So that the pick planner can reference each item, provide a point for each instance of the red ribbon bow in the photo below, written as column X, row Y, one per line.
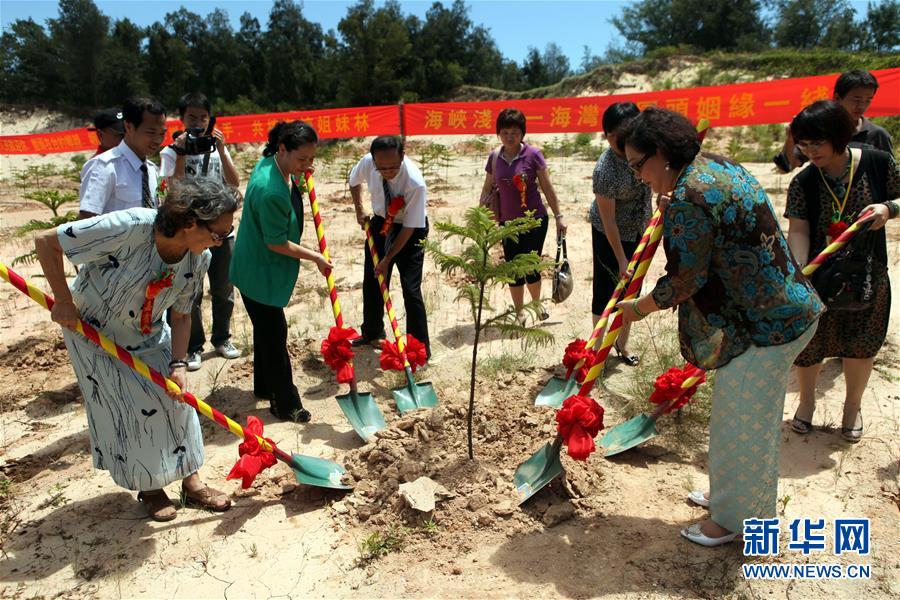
column 253, row 459
column 668, row 386
column 578, row 422
column 393, row 208
column 338, row 352
column 521, row 183
column 392, row 360
column 154, row 288
column 576, row 351
column 837, row 228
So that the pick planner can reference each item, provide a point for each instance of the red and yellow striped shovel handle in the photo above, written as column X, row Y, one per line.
column 386, row 295
column 610, row 338
column 836, row 245
column 137, row 364
column 652, row 227
column 323, row 248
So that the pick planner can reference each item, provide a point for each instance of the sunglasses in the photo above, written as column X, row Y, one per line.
column 636, row 167
column 218, row 237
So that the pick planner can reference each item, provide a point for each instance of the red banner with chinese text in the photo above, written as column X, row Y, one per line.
column 754, row 103
column 329, row 123
column 724, row 105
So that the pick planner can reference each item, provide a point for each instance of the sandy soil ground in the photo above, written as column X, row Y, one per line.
column 610, row 529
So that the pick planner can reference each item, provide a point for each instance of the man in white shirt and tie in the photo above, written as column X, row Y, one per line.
column 392, row 179
column 122, row 177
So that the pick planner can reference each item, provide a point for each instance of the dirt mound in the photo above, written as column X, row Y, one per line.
column 36, row 353
column 480, row 492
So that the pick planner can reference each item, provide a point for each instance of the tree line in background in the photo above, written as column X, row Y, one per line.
column 82, row 60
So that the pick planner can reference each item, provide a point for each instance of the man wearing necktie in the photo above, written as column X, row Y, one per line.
column 398, row 194
column 122, row 177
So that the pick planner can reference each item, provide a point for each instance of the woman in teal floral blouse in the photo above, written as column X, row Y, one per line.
column 744, row 308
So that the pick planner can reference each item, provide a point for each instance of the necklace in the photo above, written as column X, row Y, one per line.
column 837, row 188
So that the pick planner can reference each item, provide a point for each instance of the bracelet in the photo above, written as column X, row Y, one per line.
column 178, row 363
column 559, row 216
column 893, row 209
column 637, row 311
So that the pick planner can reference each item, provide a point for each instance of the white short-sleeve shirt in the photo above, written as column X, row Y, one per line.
column 112, row 181
column 408, row 183
column 193, row 163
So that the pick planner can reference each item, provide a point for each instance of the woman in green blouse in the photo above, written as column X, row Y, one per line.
column 744, row 309
column 265, row 263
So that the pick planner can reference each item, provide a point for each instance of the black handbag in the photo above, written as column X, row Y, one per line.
column 563, row 283
column 846, row 281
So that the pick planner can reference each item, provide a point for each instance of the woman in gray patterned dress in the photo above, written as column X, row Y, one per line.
column 619, row 214
column 142, row 437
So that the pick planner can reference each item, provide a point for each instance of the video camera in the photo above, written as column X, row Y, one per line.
column 197, row 140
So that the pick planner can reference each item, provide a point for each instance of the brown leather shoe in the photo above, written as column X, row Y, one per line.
column 158, row 505
column 208, row 498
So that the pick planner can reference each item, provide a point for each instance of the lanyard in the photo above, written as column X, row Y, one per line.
column 839, row 205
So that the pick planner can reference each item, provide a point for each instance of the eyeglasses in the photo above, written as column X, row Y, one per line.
column 804, row 145
column 218, row 237
column 636, row 167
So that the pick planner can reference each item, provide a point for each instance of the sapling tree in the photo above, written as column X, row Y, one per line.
column 53, row 199
column 482, row 272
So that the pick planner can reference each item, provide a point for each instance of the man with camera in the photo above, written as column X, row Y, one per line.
column 200, row 151
column 122, row 177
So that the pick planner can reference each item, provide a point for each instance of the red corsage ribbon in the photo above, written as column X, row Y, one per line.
column 394, row 207
column 836, row 228
column 669, row 386
column 392, row 360
column 253, row 459
column 578, row 422
column 337, row 352
column 575, row 352
column 154, row 288
column 521, row 183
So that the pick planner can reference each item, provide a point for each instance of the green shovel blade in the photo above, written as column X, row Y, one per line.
column 629, row 434
column 540, row 469
column 362, row 412
column 318, row 472
column 556, row 391
column 414, row 395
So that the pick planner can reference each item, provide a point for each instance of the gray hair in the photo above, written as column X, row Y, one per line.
column 193, row 199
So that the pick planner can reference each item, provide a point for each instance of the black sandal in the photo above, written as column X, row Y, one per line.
column 632, row 360
column 853, row 434
column 800, row 426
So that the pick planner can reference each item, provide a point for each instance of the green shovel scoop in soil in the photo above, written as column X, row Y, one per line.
column 359, row 407
column 413, row 395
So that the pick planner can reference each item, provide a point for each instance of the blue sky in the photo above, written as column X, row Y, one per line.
column 514, row 24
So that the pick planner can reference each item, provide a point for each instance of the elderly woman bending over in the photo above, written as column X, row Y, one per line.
column 136, row 264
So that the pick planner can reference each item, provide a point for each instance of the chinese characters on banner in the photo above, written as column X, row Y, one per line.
column 725, row 105
column 754, row 103
column 330, row 123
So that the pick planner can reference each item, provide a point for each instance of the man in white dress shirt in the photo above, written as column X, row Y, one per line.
column 391, row 176
column 123, row 177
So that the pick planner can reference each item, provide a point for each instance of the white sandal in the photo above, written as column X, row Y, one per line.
column 695, row 534
column 699, row 498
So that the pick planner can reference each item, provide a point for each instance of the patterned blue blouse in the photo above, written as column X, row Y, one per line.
column 729, row 269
